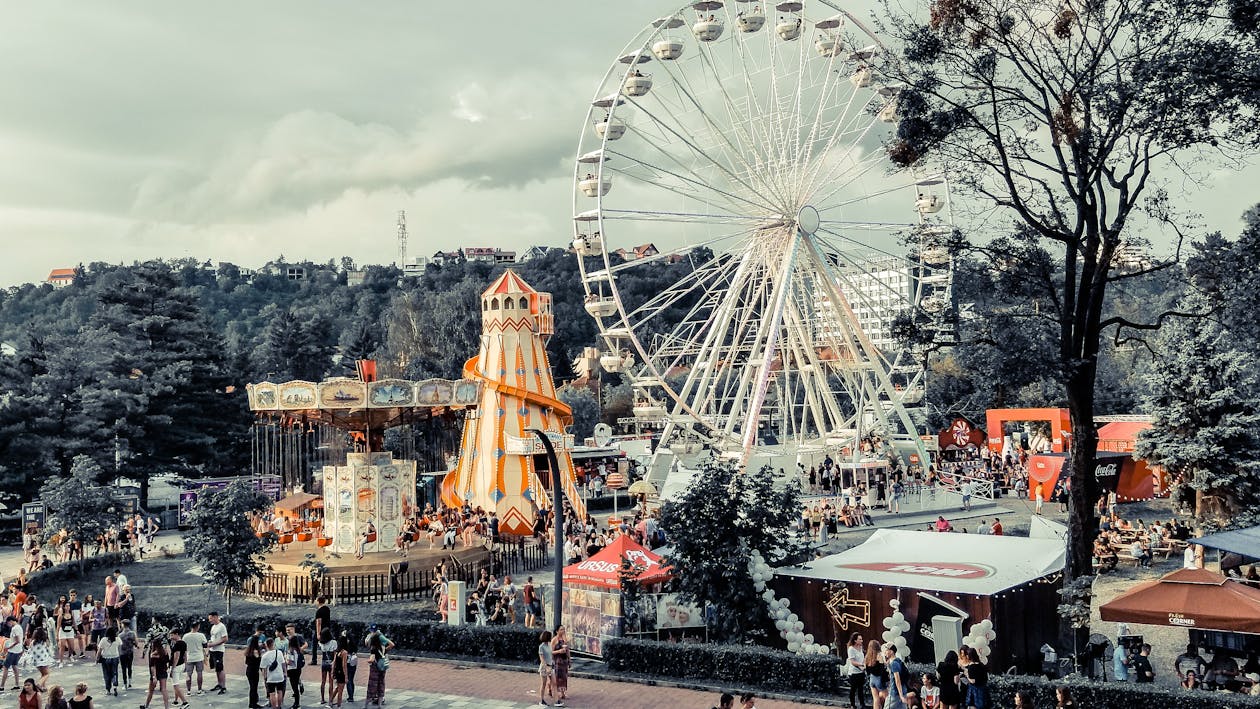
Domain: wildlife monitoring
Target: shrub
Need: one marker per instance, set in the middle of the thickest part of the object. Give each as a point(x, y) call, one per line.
point(747, 665)
point(774, 670)
point(503, 642)
point(68, 573)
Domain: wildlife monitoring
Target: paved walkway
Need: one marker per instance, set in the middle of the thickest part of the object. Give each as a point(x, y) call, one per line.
point(410, 685)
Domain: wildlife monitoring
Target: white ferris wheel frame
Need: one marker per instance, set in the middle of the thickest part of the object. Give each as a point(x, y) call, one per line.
point(748, 154)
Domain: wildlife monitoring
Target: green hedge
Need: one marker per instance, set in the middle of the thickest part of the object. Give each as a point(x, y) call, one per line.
point(1113, 695)
point(746, 666)
point(68, 574)
point(752, 667)
point(503, 642)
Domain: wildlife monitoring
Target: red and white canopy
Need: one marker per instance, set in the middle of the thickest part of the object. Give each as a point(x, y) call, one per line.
point(601, 569)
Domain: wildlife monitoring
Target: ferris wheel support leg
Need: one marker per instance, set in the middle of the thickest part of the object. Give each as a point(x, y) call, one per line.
point(767, 357)
point(881, 380)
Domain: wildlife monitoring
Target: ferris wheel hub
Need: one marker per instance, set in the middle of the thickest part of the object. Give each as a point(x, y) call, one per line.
point(807, 220)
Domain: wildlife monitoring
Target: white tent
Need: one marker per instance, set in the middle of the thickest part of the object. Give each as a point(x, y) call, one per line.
point(981, 565)
point(1043, 528)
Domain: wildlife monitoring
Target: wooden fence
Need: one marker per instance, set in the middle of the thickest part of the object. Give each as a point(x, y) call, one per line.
point(401, 582)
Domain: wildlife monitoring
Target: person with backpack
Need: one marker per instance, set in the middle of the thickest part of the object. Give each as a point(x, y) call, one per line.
point(898, 679)
point(274, 669)
point(378, 645)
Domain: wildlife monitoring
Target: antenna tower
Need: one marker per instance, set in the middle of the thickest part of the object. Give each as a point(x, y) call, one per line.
point(402, 238)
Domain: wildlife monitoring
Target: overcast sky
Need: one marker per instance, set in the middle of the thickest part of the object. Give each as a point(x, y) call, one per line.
point(240, 131)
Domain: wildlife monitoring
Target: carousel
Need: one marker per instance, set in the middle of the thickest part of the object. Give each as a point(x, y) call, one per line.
point(363, 501)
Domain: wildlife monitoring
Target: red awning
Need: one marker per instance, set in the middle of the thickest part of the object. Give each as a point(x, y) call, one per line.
point(1189, 598)
point(601, 569)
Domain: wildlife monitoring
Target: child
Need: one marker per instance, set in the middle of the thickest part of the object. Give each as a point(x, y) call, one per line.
point(930, 693)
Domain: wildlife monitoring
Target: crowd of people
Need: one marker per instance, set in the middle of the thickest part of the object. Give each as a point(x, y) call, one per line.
point(134, 536)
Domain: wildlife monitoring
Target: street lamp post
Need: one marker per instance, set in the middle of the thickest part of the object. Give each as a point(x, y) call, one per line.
point(557, 500)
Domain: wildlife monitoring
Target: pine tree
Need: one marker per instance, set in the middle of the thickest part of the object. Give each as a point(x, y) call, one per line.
point(166, 388)
point(1205, 403)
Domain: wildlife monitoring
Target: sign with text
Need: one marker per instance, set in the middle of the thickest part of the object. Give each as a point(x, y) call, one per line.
point(34, 514)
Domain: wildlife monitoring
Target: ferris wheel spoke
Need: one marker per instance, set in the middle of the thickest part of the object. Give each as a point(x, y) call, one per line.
point(737, 118)
point(679, 217)
point(736, 201)
point(712, 271)
point(700, 152)
point(857, 171)
point(688, 190)
point(715, 133)
point(866, 164)
point(676, 252)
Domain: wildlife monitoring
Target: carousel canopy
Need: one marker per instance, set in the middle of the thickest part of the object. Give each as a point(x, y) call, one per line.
point(982, 565)
point(602, 569)
point(296, 501)
point(1189, 598)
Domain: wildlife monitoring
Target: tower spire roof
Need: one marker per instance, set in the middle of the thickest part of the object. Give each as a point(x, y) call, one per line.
point(509, 282)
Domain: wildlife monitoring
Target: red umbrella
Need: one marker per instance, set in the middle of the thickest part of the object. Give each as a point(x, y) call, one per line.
point(1189, 598)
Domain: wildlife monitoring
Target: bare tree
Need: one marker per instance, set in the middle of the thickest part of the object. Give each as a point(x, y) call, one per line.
point(1072, 118)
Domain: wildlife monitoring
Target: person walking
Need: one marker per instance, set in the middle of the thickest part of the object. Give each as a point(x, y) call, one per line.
point(41, 653)
point(107, 652)
point(327, 652)
point(561, 654)
point(14, 644)
point(323, 621)
point(215, 648)
point(295, 657)
point(126, 654)
point(195, 641)
point(378, 647)
point(546, 668)
point(528, 594)
point(253, 660)
point(340, 658)
point(159, 669)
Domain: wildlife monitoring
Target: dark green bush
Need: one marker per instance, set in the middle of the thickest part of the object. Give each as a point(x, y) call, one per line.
point(774, 670)
point(503, 642)
point(748, 666)
point(69, 574)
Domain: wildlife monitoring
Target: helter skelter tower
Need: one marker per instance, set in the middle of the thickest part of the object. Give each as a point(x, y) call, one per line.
point(497, 468)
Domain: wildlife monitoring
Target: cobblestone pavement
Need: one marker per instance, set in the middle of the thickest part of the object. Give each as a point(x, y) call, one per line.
point(410, 685)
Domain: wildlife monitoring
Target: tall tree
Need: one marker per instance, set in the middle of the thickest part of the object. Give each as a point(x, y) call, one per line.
point(1061, 116)
point(714, 527)
point(166, 388)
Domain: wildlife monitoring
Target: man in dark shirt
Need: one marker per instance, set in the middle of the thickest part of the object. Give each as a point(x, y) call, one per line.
point(1142, 670)
point(323, 619)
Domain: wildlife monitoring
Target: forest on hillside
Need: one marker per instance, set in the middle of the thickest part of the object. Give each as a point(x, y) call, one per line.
point(142, 366)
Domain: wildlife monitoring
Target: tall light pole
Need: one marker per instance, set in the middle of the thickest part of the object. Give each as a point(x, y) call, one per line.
point(557, 500)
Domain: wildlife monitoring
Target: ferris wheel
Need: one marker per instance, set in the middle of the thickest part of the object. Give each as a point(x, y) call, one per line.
point(741, 147)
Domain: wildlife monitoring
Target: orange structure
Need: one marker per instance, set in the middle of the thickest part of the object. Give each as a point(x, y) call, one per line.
point(1059, 419)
